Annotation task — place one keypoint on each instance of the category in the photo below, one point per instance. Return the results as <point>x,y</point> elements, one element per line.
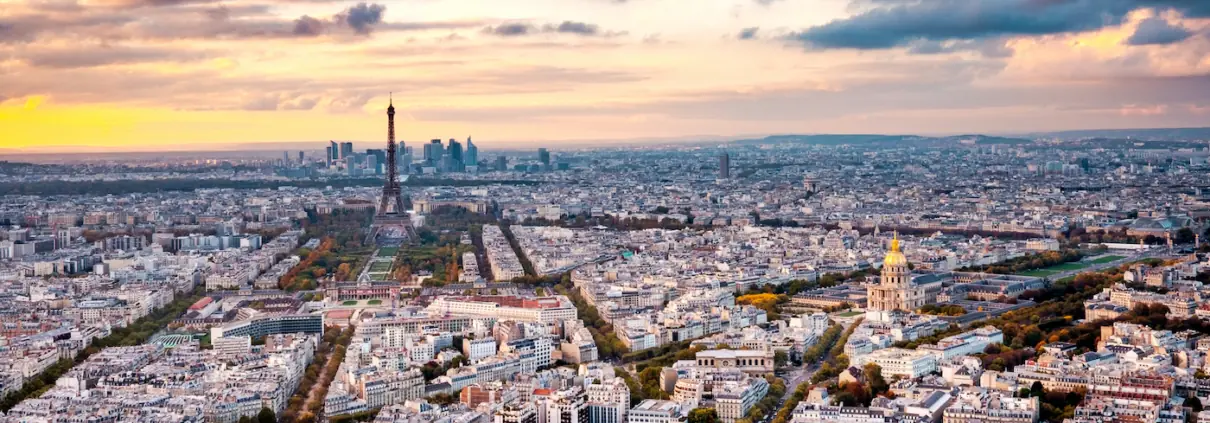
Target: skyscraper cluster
<point>450,157</point>
<point>339,151</point>
<point>435,156</point>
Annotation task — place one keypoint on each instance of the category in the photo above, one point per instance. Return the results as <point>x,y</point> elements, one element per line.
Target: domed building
<point>895,290</point>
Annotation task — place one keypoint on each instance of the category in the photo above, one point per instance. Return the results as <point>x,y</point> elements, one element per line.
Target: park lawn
<point>1106,259</point>
<point>850,314</point>
<point>1037,273</point>
<point>388,251</point>
<point>349,303</point>
<point>1067,266</point>
<point>380,267</point>
<point>374,302</point>
<point>1058,268</point>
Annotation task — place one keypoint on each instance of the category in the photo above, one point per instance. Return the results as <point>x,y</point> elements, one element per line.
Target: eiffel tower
<point>392,195</point>
<point>391,223</point>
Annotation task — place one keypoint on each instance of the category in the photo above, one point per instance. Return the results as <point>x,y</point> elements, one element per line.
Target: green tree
<point>780,358</point>
<point>703,415</point>
<point>1036,389</point>
<point>1194,403</point>
<point>266,416</point>
<point>873,374</point>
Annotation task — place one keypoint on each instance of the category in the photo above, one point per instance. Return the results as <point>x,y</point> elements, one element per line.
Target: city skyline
<point>139,75</point>
<point>1052,278</point>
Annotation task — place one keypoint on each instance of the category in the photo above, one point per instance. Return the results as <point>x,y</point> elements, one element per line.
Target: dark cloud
<point>1189,8</point>
<point>510,29</point>
<point>570,27</point>
<point>307,26</point>
<point>992,48</point>
<point>1157,30</point>
<point>515,29</point>
<point>748,33</point>
<point>928,25</point>
<point>362,17</point>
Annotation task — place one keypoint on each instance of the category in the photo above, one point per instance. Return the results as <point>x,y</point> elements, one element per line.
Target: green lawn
<point>374,302</point>
<point>349,303</point>
<point>1058,268</point>
<point>380,267</point>
<point>1040,273</point>
<point>388,251</point>
<point>1067,266</point>
<point>1106,259</point>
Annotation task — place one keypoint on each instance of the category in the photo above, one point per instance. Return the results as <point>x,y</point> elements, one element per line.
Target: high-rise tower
<point>392,196</point>
<point>471,157</point>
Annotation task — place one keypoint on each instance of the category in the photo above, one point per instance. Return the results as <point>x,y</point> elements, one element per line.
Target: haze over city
<point>124,75</point>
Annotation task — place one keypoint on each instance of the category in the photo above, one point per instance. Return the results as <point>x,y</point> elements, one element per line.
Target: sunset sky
<point>186,74</point>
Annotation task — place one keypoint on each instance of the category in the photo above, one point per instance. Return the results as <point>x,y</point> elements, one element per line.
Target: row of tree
<point>942,310</point>
<point>608,344</point>
<point>526,265</point>
<point>291,280</point>
<point>298,408</point>
<point>837,361</point>
<point>638,392</point>
<point>767,404</point>
<point>818,352</point>
<point>784,414</point>
<point>1080,235</point>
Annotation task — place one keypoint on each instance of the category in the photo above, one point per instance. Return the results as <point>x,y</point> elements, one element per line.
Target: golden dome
<point>895,257</point>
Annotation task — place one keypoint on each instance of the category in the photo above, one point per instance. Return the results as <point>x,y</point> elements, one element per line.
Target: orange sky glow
<point>144,75</point>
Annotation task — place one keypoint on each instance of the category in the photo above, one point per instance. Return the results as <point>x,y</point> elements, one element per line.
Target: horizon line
<point>268,146</point>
